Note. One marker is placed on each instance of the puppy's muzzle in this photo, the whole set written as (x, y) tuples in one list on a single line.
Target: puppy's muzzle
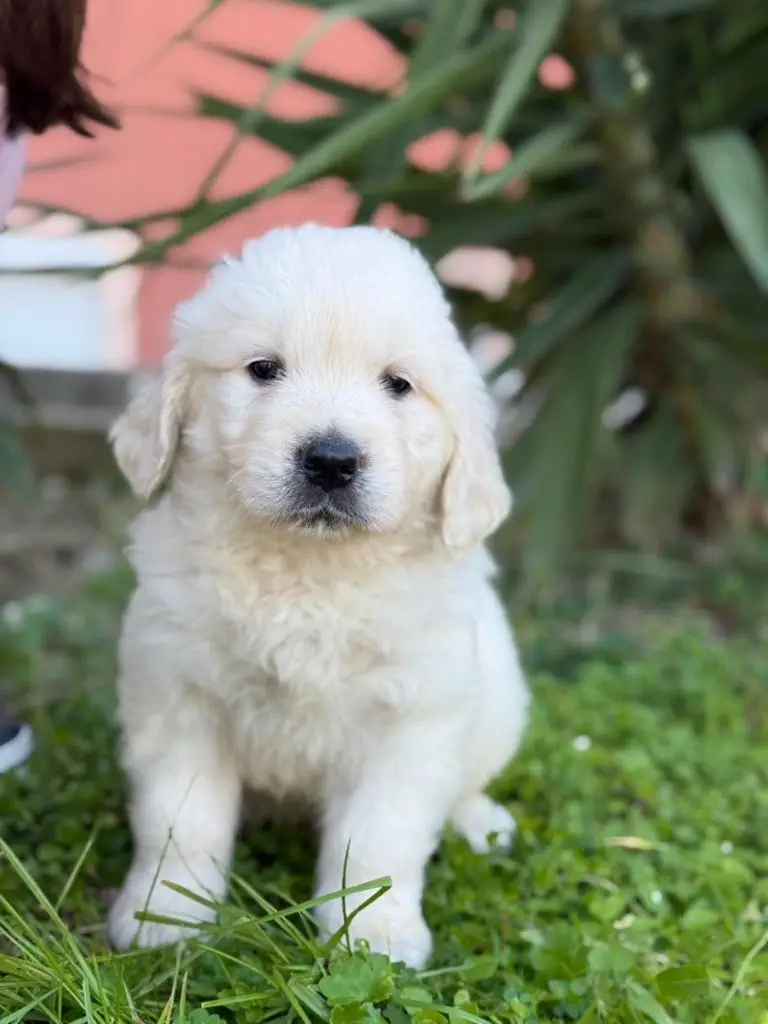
[(330, 463)]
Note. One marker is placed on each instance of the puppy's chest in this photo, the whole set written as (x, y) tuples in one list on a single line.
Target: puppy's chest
[(308, 638), (308, 674)]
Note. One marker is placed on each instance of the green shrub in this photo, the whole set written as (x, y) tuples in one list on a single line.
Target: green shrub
[(646, 217), (637, 890)]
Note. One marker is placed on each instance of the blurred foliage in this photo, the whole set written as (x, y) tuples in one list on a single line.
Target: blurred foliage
[(641, 197), (636, 892), (644, 209), (14, 468)]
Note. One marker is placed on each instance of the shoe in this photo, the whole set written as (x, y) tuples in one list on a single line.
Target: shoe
[(16, 743)]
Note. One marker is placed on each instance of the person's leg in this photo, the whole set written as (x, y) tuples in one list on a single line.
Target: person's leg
[(16, 742)]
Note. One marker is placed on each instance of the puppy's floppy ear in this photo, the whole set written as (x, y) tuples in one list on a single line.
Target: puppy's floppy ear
[(475, 496), (145, 438)]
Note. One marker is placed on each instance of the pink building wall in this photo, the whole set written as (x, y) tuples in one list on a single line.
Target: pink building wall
[(149, 59), (164, 151)]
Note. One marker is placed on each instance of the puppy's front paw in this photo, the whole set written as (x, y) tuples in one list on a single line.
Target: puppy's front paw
[(147, 893), (480, 818), (387, 926)]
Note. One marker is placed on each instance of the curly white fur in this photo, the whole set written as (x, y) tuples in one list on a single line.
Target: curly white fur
[(368, 670)]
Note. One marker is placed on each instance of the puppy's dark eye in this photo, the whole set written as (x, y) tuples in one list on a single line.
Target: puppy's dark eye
[(396, 385), (264, 371)]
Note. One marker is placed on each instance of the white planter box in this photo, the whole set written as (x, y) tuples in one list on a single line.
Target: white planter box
[(54, 318)]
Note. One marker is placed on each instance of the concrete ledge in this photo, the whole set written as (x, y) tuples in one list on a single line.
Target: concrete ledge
[(64, 426)]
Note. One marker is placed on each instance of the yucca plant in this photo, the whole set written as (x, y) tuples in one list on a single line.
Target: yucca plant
[(645, 215)]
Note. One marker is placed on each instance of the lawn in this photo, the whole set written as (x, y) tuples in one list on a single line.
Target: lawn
[(638, 889)]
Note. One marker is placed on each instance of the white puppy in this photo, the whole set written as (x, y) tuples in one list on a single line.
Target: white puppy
[(314, 615)]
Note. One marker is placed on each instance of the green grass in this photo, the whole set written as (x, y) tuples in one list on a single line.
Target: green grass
[(638, 890)]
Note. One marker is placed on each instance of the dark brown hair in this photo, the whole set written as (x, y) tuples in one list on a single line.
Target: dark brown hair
[(40, 65)]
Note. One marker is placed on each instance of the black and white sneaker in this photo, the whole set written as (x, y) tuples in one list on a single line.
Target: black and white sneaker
[(16, 743)]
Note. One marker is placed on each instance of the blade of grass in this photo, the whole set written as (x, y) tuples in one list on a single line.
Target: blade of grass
[(279, 982), (309, 997), (343, 931), (66, 941), (274, 916), (247, 999), (23, 1013), (75, 872), (741, 974)]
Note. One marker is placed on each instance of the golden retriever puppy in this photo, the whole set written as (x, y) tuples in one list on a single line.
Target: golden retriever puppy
[(314, 616)]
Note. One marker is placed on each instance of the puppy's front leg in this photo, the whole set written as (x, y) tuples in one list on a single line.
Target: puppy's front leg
[(184, 815), (387, 821)]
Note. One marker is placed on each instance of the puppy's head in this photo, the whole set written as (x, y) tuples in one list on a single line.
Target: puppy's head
[(322, 379)]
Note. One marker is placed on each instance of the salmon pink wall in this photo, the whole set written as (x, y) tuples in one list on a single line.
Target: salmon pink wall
[(141, 65), (149, 58)]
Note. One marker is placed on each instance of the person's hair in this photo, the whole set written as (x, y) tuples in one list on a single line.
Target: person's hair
[(40, 66)]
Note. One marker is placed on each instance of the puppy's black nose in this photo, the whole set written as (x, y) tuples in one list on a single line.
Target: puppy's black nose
[(330, 463)]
